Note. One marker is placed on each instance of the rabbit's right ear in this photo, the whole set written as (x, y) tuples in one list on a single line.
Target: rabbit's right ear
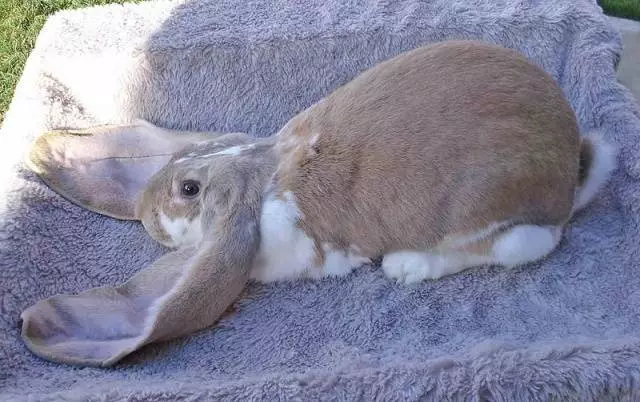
[(104, 168), (182, 292)]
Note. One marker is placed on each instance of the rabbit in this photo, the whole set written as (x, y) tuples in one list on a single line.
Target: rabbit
[(445, 157)]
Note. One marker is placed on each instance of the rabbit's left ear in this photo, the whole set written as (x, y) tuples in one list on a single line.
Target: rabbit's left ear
[(105, 168), (183, 291)]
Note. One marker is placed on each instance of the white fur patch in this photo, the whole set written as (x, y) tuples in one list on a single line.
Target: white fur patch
[(414, 266), (234, 150), (181, 231), (180, 160), (602, 166), (525, 243), (189, 156), (520, 245), (338, 262), (286, 252)]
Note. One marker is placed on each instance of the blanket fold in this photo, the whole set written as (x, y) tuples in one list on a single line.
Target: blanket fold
[(567, 328)]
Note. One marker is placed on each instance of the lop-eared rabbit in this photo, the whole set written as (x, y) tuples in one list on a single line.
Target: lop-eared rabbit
[(446, 157)]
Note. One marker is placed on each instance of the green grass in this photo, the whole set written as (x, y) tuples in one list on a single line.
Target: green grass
[(21, 20), (621, 8)]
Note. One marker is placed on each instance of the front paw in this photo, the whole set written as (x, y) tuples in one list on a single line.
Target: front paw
[(408, 267)]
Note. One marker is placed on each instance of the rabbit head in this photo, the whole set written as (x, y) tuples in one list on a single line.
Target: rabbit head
[(190, 195), (180, 201)]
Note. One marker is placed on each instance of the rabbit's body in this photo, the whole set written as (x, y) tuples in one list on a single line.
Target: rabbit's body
[(446, 157), (443, 158)]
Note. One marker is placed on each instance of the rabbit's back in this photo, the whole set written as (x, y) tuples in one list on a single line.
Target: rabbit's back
[(448, 138)]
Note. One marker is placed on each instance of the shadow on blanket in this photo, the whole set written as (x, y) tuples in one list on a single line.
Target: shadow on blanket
[(567, 328)]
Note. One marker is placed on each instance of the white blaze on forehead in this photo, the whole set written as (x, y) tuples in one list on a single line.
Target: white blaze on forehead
[(181, 231), (190, 155), (234, 150)]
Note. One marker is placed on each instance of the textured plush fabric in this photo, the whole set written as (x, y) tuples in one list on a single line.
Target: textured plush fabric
[(564, 329)]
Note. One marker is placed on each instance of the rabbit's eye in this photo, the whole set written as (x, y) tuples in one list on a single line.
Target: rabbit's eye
[(190, 188)]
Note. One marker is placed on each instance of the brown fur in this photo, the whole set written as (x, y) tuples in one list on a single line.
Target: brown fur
[(440, 140)]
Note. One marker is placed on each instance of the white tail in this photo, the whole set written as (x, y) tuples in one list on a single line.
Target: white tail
[(599, 164)]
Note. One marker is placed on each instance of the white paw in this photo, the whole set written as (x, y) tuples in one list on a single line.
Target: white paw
[(409, 267)]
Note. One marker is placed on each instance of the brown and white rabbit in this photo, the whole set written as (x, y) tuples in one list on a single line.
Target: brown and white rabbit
[(446, 157)]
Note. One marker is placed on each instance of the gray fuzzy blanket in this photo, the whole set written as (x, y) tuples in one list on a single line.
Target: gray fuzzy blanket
[(564, 329)]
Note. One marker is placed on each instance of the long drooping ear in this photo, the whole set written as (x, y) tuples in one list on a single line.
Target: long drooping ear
[(104, 168), (183, 291)]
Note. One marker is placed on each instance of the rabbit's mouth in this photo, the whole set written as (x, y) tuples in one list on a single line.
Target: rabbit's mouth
[(180, 232)]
